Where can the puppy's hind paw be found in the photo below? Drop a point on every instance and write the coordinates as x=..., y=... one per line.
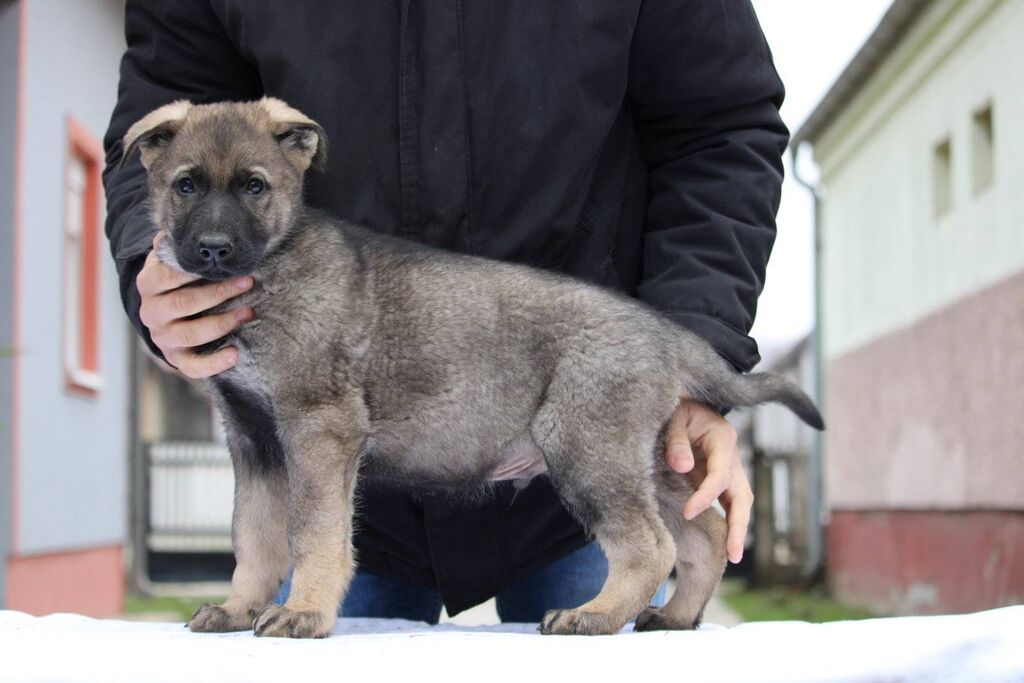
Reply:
x=655, y=619
x=567, y=622
x=215, y=619
x=277, y=621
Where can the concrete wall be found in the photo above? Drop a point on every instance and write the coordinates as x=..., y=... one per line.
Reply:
x=924, y=322
x=888, y=261
x=8, y=110
x=918, y=562
x=931, y=417
x=74, y=449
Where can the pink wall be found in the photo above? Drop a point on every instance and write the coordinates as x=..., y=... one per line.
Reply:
x=90, y=582
x=925, y=461
x=931, y=416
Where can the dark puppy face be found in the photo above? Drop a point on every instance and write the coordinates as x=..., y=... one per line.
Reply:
x=225, y=180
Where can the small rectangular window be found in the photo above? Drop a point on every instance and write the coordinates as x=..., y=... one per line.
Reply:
x=983, y=168
x=942, y=178
x=82, y=207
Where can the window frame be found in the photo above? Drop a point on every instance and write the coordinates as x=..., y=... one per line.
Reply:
x=983, y=153
x=942, y=178
x=81, y=347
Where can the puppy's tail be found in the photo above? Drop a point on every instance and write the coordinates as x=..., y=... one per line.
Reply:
x=716, y=383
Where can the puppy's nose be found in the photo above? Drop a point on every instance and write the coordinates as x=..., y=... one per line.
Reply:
x=214, y=248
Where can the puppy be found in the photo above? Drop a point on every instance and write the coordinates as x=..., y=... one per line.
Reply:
x=373, y=356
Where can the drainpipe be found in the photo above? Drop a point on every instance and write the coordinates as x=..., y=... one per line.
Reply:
x=816, y=543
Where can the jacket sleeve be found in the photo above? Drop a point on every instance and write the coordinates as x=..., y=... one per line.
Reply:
x=175, y=50
x=705, y=97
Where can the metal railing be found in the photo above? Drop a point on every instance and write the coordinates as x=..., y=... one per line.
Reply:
x=190, y=497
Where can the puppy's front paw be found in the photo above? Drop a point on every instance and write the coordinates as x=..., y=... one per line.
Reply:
x=656, y=619
x=215, y=619
x=567, y=622
x=277, y=621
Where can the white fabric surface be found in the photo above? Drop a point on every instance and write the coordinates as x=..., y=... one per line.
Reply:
x=987, y=646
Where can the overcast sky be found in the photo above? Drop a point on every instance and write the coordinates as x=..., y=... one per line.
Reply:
x=811, y=40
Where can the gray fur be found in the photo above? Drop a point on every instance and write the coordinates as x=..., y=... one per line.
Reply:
x=377, y=355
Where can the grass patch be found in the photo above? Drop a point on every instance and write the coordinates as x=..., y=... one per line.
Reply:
x=184, y=608
x=788, y=604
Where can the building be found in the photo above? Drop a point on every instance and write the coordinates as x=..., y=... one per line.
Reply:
x=921, y=227
x=785, y=467
x=64, y=341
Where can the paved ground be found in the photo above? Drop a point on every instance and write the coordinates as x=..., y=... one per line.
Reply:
x=717, y=612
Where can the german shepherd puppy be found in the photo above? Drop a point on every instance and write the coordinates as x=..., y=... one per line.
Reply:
x=376, y=356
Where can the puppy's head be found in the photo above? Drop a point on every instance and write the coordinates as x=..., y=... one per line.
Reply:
x=225, y=180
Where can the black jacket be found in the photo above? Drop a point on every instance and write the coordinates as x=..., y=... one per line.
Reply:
x=633, y=143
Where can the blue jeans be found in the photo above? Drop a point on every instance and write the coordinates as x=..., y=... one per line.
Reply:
x=568, y=582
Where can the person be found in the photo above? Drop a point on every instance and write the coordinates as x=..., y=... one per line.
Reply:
x=635, y=144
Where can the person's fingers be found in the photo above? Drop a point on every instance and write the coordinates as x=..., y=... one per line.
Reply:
x=156, y=277
x=717, y=480
x=195, y=366
x=165, y=279
x=189, y=333
x=717, y=440
x=144, y=281
x=741, y=501
x=188, y=301
x=678, y=451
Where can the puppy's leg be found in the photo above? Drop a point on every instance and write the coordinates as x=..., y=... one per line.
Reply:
x=639, y=552
x=605, y=478
x=259, y=536
x=700, y=555
x=322, y=446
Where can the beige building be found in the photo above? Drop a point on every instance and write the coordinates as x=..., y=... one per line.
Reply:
x=920, y=146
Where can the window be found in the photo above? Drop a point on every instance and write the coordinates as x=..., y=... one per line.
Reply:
x=982, y=167
x=942, y=178
x=81, y=261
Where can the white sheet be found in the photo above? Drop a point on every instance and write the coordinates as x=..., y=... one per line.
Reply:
x=987, y=646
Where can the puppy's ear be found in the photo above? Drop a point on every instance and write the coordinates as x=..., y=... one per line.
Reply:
x=153, y=132
x=302, y=139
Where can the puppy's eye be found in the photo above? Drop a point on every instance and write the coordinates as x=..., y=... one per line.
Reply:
x=254, y=186
x=186, y=185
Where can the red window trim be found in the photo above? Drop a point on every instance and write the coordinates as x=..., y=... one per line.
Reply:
x=82, y=372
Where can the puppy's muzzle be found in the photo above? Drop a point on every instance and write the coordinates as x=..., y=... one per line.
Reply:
x=217, y=255
x=214, y=250
x=219, y=239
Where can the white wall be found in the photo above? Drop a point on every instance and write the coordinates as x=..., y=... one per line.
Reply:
x=8, y=108
x=887, y=260
x=922, y=319
x=74, y=449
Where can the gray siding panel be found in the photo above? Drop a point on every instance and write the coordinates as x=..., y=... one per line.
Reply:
x=8, y=110
x=74, y=449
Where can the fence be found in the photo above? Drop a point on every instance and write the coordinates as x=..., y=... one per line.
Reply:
x=191, y=494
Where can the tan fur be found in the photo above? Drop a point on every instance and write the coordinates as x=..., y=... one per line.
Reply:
x=170, y=117
x=260, y=538
x=700, y=561
x=308, y=145
x=700, y=556
x=323, y=475
x=377, y=356
x=638, y=562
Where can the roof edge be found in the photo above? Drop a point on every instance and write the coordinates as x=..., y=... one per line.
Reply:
x=894, y=25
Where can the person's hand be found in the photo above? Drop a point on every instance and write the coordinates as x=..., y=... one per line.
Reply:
x=171, y=311
x=696, y=430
